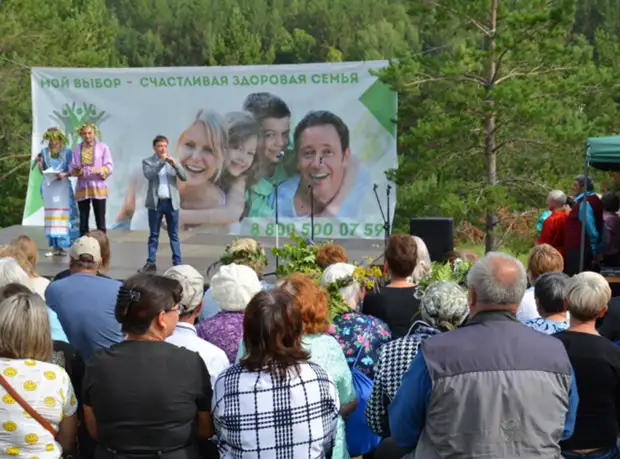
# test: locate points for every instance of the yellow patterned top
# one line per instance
(87, 155)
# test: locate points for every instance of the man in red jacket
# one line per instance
(553, 227)
(584, 193)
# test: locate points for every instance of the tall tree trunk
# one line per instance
(489, 141)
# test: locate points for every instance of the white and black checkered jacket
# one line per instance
(395, 358)
(262, 417)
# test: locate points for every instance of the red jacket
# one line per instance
(553, 230)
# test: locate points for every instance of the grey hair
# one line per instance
(423, 265)
(587, 183)
(491, 291)
(340, 271)
(550, 290)
(587, 295)
(444, 305)
(557, 196)
(12, 273)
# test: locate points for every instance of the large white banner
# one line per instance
(302, 140)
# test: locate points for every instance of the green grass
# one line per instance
(479, 249)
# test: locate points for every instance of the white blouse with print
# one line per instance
(47, 388)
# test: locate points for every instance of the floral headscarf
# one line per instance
(444, 305)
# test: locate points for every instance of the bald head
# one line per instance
(497, 280)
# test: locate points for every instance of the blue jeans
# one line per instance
(611, 453)
(164, 209)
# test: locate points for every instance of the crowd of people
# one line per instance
(506, 361)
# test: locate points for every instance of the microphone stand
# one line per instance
(311, 189)
(275, 189)
(386, 221)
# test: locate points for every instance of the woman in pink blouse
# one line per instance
(92, 165)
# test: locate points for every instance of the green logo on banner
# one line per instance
(68, 119)
(380, 100)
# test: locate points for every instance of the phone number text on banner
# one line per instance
(323, 228)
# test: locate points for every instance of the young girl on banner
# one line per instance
(61, 213)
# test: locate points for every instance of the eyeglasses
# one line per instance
(179, 309)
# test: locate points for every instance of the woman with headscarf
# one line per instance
(62, 218)
(359, 335)
(232, 287)
(443, 308)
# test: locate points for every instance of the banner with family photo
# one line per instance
(294, 139)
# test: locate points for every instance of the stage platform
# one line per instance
(129, 250)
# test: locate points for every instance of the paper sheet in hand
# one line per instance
(49, 175)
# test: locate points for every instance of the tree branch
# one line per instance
(430, 79)
(2, 158)
(26, 163)
(472, 21)
(536, 71)
(524, 180)
(503, 144)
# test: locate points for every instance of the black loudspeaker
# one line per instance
(437, 233)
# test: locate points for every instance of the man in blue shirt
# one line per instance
(492, 388)
(85, 302)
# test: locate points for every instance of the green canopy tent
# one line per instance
(602, 153)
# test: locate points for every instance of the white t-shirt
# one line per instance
(163, 191)
(528, 309)
(39, 284)
(47, 388)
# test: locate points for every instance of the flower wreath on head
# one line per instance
(367, 277)
(229, 257)
(54, 134)
(83, 126)
(455, 272)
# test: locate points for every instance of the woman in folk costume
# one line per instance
(61, 212)
(92, 165)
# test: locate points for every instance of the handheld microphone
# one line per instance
(280, 155)
(375, 186)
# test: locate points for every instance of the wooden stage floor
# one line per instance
(129, 250)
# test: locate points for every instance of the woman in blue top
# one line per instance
(60, 207)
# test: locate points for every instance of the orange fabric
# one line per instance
(553, 230)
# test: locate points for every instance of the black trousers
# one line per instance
(98, 209)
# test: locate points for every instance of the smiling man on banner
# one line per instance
(323, 161)
(162, 200)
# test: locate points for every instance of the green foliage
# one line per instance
(455, 272)
(298, 257)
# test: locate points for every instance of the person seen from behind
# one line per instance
(549, 294)
(104, 266)
(553, 227)
(360, 335)
(275, 403)
(442, 308)
(26, 350)
(85, 301)
(242, 251)
(330, 254)
(29, 248)
(489, 397)
(611, 253)
(396, 304)
(233, 286)
(596, 361)
(542, 259)
(185, 334)
(144, 397)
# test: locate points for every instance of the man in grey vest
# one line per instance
(493, 388)
(162, 200)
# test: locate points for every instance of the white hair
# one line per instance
(423, 264)
(340, 271)
(587, 295)
(557, 196)
(491, 291)
(12, 273)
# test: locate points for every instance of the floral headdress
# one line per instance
(81, 127)
(54, 134)
(366, 276)
(455, 272)
(243, 251)
(298, 257)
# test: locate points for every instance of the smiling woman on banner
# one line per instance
(326, 170)
(61, 212)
